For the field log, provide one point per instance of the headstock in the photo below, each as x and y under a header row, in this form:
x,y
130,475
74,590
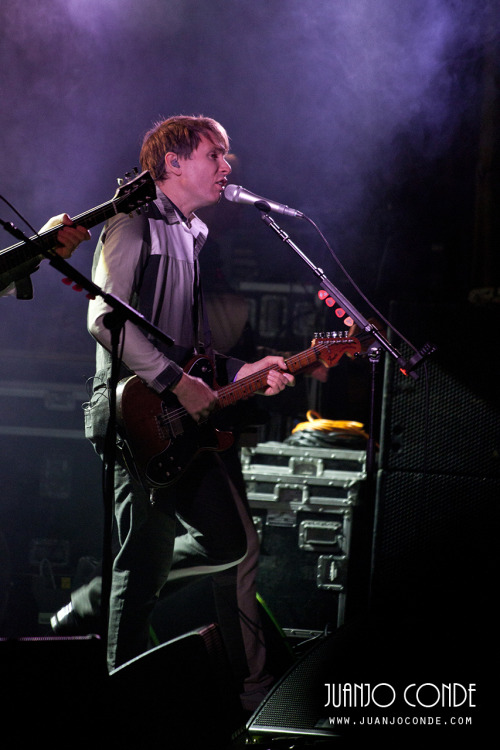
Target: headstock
x,y
134,192
333,345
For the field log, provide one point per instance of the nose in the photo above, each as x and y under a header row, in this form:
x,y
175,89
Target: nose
x,y
225,165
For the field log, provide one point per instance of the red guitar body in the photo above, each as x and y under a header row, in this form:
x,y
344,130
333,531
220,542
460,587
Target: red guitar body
x,y
164,439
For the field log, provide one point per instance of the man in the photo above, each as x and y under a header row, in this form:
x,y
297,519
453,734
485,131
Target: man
x,y
151,262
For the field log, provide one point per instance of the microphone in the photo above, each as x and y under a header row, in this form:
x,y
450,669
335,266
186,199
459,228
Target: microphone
x,y
238,194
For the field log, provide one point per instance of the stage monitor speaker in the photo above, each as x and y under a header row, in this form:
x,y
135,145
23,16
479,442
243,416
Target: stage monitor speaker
x,y
179,694
189,607
351,685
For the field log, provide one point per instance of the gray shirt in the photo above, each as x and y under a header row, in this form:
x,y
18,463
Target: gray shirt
x,y
150,261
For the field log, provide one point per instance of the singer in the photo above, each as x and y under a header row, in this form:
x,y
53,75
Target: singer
x,y
151,262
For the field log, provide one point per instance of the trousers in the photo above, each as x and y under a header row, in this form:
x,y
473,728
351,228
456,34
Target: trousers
x,y
217,538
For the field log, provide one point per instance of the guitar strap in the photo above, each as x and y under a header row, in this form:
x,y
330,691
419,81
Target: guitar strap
x,y
201,328
148,279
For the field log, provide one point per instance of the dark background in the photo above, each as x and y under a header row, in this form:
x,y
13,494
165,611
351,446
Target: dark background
x,y
378,120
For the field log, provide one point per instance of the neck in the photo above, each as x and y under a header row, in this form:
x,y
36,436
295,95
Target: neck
x,y
180,203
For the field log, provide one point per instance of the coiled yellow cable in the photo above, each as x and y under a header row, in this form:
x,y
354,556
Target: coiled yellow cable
x,y
315,422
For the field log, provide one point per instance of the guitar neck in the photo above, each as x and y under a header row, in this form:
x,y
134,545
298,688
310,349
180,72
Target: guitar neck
x,y
20,260
37,245
230,394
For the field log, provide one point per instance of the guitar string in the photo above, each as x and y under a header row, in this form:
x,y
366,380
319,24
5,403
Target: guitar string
x,y
250,380
182,412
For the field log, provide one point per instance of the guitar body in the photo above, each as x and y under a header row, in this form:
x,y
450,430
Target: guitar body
x,y
163,439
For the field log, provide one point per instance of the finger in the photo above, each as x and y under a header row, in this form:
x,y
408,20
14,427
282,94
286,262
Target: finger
x,y
277,380
280,361
78,234
70,237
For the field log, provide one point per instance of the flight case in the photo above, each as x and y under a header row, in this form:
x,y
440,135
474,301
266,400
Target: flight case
x,y
304,503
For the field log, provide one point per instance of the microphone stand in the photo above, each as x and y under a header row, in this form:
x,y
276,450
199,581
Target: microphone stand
x,y
363,324
406,367
114,321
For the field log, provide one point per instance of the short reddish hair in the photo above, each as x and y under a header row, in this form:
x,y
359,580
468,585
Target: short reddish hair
x,y
182,135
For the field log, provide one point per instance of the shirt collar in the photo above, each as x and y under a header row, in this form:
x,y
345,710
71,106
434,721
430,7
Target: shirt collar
x,y
167,208
173,215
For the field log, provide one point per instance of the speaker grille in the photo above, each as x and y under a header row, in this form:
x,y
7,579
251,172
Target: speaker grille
x,y
442,425
435,539
450,422
368,653
295,705
436,509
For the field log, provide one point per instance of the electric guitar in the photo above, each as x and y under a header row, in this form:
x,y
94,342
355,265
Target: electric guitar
x,y
20,260
163,439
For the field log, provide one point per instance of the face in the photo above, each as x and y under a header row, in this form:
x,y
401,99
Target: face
x,y
203,176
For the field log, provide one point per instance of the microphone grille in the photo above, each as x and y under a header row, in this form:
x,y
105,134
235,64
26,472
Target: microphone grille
x,y
231,192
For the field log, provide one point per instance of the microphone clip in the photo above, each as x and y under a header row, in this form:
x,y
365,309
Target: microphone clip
x,y
263,206
408,368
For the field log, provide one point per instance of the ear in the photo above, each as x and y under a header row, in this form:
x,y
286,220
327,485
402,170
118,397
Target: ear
x,y
172,163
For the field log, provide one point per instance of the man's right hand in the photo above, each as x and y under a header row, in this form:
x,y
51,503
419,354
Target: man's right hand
x,y
195,396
